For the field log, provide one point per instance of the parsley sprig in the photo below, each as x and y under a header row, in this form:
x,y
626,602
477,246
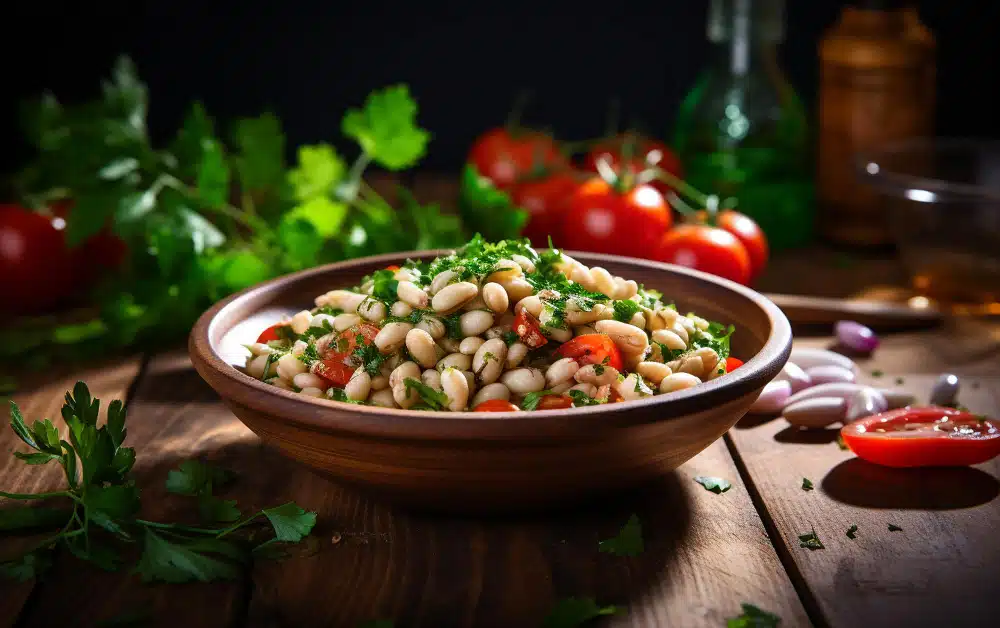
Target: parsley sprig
x,y
100,504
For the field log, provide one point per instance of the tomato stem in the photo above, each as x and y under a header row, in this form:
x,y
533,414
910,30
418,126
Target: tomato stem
x,y
683,187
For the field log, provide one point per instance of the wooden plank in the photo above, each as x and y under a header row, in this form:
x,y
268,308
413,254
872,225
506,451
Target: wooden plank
x,y
41,396
173,417
705,553
943,567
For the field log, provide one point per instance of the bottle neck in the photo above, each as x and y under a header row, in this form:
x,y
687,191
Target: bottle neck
x,y
745,32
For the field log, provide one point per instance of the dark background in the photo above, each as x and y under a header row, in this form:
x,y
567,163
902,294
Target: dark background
x,y
308,61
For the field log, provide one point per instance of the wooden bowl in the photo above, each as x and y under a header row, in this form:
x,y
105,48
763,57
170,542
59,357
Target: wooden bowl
x,y
491,462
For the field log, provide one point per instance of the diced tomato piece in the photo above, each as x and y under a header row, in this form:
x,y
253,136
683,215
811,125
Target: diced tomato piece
x,y
496,405
393,268
931,436
271,333
732,363
338,364
528,330
592,349
554,402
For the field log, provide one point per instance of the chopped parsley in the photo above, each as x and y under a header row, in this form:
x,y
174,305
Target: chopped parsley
x,y
581,398
478,258
330,311
431,399
412,318
599,368
285,333
715,485
811,541
272,358
625,310
852,531
716,337
753,617
384,286
628,542
510,337
807,484
530,401
650,298
894,528
310,354
453,325
338,394
366,355
316,331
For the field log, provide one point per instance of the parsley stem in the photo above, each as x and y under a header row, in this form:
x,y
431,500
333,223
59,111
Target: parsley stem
x,y
236,526
38,495
247,219
174,526
358,169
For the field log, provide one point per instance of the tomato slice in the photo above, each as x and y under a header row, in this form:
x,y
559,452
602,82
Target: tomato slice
x,y
528,330
271,333
930,436
733,363
496,405
338,365
393,268
592,349
554,402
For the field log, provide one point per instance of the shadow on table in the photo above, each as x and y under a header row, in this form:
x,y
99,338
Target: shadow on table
x,y
371,561
176,382
798,435
861,483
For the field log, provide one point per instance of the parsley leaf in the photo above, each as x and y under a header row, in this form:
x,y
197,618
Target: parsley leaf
x,y
260,157
486,209
625,310
385,286
576,611
510,337
200,559
810,541
628,542
716,337
894,528
716,485
318,172
386,128
807,484
197,479
753,617
290,522
851,532
367,355
26,567
581,398
530,401
435,400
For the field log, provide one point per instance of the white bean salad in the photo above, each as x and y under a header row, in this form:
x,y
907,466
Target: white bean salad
x,y
491,327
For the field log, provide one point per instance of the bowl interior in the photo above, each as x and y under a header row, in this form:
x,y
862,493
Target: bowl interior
x,y
762,340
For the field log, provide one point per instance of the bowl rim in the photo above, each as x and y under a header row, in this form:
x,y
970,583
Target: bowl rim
x,y
323,415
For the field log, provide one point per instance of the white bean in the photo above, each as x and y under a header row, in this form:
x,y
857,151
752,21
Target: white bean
x,y
678,381
772,399
277,382
603,281
410,293
533,305
255,367
380,382
432,379
522,381
456,387
490,391
449,345
453,296
504,270
391,338
709,358
515,353
517,289
289,366
340,299
638,320
311,391
495,297
488,361
630,339
945,390
526,264
400,309
865,402
307,380
372,310
343,322
795,376
816,412
561,371
653,371
669,339
625,289
299,347
406,370
404,274
441,280
475,322
301,321
458,361
588,389
470,378
470,345
681,332
358,387
321,320
828,373
258,348
632,387
559,389
692,364
808,358
596,374
383,398
421,347
433,326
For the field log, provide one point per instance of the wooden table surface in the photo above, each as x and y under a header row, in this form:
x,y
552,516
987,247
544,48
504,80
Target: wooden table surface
x,y
705,553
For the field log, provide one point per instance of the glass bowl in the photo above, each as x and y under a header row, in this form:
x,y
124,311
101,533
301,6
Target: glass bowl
x,y
943,203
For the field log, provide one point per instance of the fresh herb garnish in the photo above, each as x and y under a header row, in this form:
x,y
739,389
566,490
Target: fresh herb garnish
x,y
530,401
510,337
753,617
716,485
367,356
810,541
385,286
101,516
338,394
625,310
581,398
878,373
573,612
433,399
807,484
852,532
716,337
841,443
894,528
628,542
453,325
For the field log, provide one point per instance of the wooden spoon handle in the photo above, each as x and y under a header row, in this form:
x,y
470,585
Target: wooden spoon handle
x,y
802,310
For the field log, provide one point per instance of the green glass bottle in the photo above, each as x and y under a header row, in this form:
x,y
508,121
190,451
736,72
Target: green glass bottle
x,y
741,131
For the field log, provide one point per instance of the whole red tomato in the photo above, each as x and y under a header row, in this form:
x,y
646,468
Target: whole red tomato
x,y
545,199
749,234
708,249
97,255
602,219
504,155
637,153
36,270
